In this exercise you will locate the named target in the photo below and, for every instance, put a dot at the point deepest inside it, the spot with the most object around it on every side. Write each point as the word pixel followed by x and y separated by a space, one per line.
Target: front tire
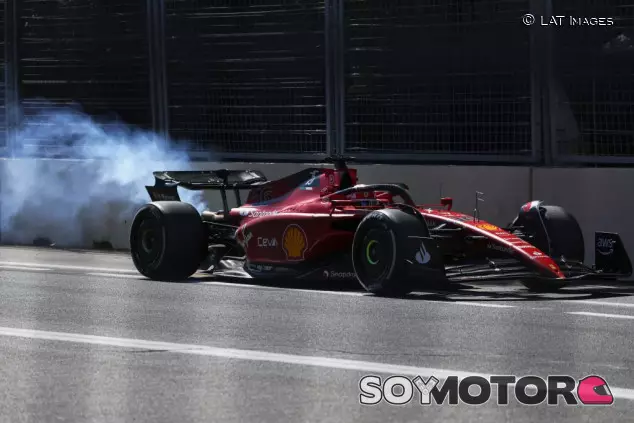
pixel 167 240
pixel 555 232
pixel 379 249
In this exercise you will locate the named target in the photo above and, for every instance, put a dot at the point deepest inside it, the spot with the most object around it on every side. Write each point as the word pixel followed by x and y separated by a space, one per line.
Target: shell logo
pixel 294 242
pixel 488 227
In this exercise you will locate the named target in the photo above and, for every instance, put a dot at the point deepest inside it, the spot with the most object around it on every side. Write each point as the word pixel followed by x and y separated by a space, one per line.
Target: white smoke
pixel 97 187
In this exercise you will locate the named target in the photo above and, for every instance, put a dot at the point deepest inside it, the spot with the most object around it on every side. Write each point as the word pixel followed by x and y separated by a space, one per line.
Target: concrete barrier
pixel 599 198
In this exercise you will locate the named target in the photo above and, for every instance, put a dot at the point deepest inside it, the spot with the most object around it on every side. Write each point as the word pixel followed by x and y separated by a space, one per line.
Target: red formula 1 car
pixel 320 224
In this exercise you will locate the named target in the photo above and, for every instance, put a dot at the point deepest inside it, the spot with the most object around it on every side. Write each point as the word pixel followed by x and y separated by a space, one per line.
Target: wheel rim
pixel 148 243
pixel 371 252
pixel 375 255
pixel 148 240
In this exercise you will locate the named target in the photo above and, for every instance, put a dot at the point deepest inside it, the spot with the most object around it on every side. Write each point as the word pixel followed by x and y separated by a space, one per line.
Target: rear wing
pixel 166 183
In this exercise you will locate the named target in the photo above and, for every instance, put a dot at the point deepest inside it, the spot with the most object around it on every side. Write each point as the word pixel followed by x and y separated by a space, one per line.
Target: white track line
pixel 344 293
pixel 471 303
pixel 601 303
pixel 67 267
pixel 592 287
pixel 277 288
pixel 253 355
pixel 115 275
pixel 38 269
pixel 468 303
pixel 611 316
pixel 236 285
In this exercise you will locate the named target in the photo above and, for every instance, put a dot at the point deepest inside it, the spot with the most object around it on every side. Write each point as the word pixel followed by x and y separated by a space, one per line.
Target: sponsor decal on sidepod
pixel 338 275
pixel 267 242
pixel 247 212
pixel 294 242
pixel 422 255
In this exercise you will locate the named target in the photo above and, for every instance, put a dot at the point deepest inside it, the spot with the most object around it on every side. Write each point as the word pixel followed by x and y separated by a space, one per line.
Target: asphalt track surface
pixel 85 338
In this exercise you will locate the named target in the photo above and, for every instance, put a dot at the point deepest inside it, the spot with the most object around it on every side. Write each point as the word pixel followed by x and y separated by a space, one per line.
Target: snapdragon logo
pixel 338 275
pixel 477 390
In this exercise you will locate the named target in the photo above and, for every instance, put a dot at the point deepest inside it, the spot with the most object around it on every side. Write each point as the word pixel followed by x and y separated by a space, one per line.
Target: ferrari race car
pixel 319 223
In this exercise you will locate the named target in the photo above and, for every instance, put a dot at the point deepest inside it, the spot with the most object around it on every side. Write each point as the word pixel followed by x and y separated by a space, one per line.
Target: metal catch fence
pixel 390 80
pixel 246 77
pixel 592 87
pixel 438 79
pixel 91 54
pixel 3 102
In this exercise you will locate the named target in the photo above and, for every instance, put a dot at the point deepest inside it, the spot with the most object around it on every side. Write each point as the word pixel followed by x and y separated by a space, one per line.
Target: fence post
pixel 158 74
pixel 12 68
pixel 543 136
pixel 340 77
pixel 331 138
pixel 11 84
pixel 335 78
pixel 550 136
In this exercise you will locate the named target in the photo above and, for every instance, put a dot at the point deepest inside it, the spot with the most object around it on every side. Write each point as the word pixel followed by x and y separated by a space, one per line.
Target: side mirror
pixel 447 202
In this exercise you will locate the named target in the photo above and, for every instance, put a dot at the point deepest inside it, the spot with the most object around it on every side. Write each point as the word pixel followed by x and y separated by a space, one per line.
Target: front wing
pixel 611 262
pixel 510 269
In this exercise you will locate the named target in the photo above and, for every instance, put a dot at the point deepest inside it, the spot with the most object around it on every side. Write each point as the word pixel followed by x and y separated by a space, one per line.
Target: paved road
pixel 84 338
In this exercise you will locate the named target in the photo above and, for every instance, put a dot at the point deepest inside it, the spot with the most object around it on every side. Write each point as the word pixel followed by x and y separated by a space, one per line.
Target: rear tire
pixel 167 240
pixel 378 251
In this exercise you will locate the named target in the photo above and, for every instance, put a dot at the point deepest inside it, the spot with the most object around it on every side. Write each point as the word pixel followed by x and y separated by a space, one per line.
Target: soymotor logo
pixel 477 390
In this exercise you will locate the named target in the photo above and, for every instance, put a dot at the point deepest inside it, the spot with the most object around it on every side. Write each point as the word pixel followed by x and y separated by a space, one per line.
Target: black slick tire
pixel 167 240
pixel 563 238
pixel 379 249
